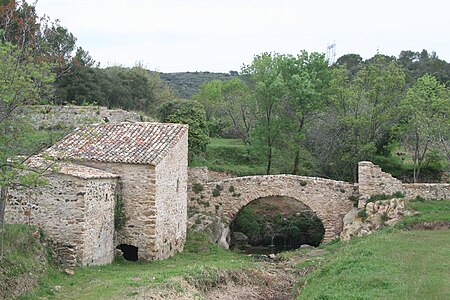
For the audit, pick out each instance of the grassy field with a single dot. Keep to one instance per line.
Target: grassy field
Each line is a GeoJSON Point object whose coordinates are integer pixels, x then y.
{"type": "Point", "coordinates": [390, 264]}
{"type": "Point", "coordinates": [394, 263]}
{"type": "Point", "coordinates": [397, 265]}
{"type": "Point", "coordinates": [127, 279]}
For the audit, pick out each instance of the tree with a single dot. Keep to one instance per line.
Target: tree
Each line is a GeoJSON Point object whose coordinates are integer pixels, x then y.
{"type": "Point", "coordinates": [268, 88]}
{"type": "Point", "coordinates": [426, 109]}
{"type": "Point", "coordinates": [306, 79]}
{"type": "Point", "coordinates": [22, 81]}
{"type": "Point", "coordinates": [359, 117]}
{"type": "Point", "coordinates": [187, 112]}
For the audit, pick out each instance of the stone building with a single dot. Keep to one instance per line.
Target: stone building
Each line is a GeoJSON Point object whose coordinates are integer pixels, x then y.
{"type": "Point", "coordinates": [149, 163]}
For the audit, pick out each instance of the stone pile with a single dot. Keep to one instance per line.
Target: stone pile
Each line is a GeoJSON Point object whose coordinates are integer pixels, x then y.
{"type": "Point", "coordinates": [372, 217]}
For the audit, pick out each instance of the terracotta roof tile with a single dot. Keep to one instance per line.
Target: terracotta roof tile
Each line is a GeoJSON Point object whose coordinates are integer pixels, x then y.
{"type": "Point", "coordinates": [138, 143]}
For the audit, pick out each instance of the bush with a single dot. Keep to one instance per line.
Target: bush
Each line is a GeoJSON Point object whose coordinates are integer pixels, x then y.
{"type": "Point", "coordinates": [362, 214]}
{"type": "Point", "coordinates": [216, 192]}
{"type": "Point", "coordinates": [197, 188]}
{"type": "Point", "coordinates": [303, 183]}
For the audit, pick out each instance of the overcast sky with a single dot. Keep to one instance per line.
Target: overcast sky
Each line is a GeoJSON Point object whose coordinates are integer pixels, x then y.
{"type": "Point", "coordinates": [222, 35]}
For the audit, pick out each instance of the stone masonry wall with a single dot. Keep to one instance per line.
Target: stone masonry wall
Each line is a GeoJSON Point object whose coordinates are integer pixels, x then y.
{"type": "Point", "coordinates": [63, 208]}
{"type": "Point", "coordinates": [171, 200]}
{"type": "Point", "coordinates": [138, 196]}
{"type": "Point", "coordinates": [436, 191]}
{"type": "Point", "coordinates": [329, 199]}
{"type": "Point", "coordinates": [373, 181]}
{"type": "Point", "coordinates": [53, 116]}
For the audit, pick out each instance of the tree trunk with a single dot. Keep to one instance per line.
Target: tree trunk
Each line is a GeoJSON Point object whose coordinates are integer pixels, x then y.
{"type": "Point", "coordinates": [3, 200]}
{"type": "Point", "coordinates": [296, 162]}
{"type": "Point", "coordinates": [269, 160]}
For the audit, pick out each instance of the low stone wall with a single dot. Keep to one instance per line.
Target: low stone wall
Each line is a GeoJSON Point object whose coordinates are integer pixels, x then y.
{"type": "Point", "coordinates": [373, 181]}
{"type": "Point", "coordinates": [53, 116]}
{"type": "Point", "coordinates": [429, 191]}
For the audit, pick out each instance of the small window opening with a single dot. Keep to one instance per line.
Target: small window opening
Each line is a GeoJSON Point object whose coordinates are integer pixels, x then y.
{"type": "Point", "coordinates": [130, 252]}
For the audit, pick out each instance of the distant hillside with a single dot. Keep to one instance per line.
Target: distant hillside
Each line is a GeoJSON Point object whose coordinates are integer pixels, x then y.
{"type": "Point", "coordinates": [185, 84]}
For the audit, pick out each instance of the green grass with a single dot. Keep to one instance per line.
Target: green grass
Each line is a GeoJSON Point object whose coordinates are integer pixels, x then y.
{"type": "Point", "coordinates": [397, 265]}
{"type": "Point", "coordinates": [231, 156]}
{"type": "Point", "coordinates": [21, 252]}
{"type": "Point", "coordinates": [390, 264]}
{"type": "Point", "coordinates": [198, 260]}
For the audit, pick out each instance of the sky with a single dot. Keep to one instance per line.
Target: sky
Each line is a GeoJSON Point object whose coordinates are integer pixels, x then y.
{"type": "Point", "coordinates": [223, 35]}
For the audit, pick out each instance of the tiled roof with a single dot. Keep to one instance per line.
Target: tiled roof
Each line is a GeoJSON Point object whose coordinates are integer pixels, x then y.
{"type": "Point", "coordinates": [80, 171]}
{"type": "Point", "coordinates": [137, 143]}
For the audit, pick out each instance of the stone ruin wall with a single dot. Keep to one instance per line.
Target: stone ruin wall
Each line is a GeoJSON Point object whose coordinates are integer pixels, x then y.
{"type": "Point", "coordinates": [329, 199]}
{"type": "Point", "coordinates": [137, 185]}
{"type": "Point", "coordinates": [373, 181]}
{"type": "Point", "coordinates": [171, 200]}
{"type": "Point", "coordinates": [70, 210]}
{"type": "Point", "coordinates": [53, 116]}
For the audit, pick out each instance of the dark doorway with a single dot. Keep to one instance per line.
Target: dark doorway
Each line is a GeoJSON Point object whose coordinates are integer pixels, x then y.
{"type": "Point", "coordinates": [129, 252]}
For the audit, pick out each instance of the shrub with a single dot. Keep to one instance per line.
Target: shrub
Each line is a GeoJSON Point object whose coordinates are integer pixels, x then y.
{"type": "Point", "coordinates": [303, 183]}
{"type": "Point", "coordinates": [354, 199]}
{"type": "Point", "coordinates": [231, 189]}
{"type": "Point", "coordinates": [362, 214]}
{"type": "Point", "coordinates": [398, 194]}
{"type": "Point", "coordinates": [419, 199]}
{"type": "Point", "coordinates": [197, 188]}
{"type": "Point", "coordinates": [216, 192]}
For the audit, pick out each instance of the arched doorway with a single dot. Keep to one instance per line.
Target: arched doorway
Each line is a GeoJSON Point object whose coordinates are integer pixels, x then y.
{"type": "Point", "coordinates": [274, 224]}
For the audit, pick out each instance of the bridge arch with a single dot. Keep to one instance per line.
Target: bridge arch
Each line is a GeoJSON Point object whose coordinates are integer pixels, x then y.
{"type": "Point", "coordinates": [329, 199]}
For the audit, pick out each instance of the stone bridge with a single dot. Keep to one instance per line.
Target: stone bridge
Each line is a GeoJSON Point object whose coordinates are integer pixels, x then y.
{"type": "Point", "coordinates": [329, 199]}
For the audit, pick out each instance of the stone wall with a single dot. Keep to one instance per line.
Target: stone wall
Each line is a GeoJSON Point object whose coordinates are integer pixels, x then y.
{"type": "Point", "coordinates": [77, 215]}
{"type": "Point", "coordinates": [329, 199]}
{"type": "Point", "coordinates": [138, 190]}
{"type": "Point", "coordinates": [373, 181]}
{"type": "Point", "coordinates": [52, 116]}
{"type": "Point", "coordinates": [437, 191]}
{"type": "Point", "coordinates": [171, 200]}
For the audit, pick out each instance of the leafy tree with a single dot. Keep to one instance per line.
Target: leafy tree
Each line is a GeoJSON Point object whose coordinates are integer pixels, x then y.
{"type": "Point", "coordinates": [268, 89]}
{"type": "Point", "coordinates": [426, 109]}
{"type": "Point", "coordinates": [306, 78]}
{"type": "Point", "coordinates": [187, 112]}
{"type": "Point", "coordinates": [22, 81]}
{"type": "Point", "coordinates": [228, 108]}
{"type": "Point", "coordinates": [359, 118]}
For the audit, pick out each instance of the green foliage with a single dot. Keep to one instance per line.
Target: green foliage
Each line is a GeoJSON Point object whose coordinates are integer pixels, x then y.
{"type": "Point", "coordinates": [261, 222]}
{"type": "Point", "coordinates": [303, 183]}
{"type": "Point", "coordinates": [378, 197]}
{"type": "Point", "coordinates": [20, 247]}
{"type": "Point", "coordinates": [186, 84]}
{"type": "Point", "coordinates": [197, 187]}
{"type": "Point", "coordinates": [216, 192]}
{"type": "Point", "coordinates": [120, 218]}
{"type": "Point", "coordinates": [425, 111]}
{"type": "Point", "coordinates": [191, 113]}
{"type": "Point", "coordinates": [362, 214]}
{"type": "Point", "coordinates": [231, 189]}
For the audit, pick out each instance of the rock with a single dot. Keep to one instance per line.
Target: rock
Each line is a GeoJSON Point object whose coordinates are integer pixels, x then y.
{"type": "Point", "coordinates": [57, 288]}
{"type": "Point", "coordinates": [69, 272]}
{"type": "Point", "coordinates": [240, 238]}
